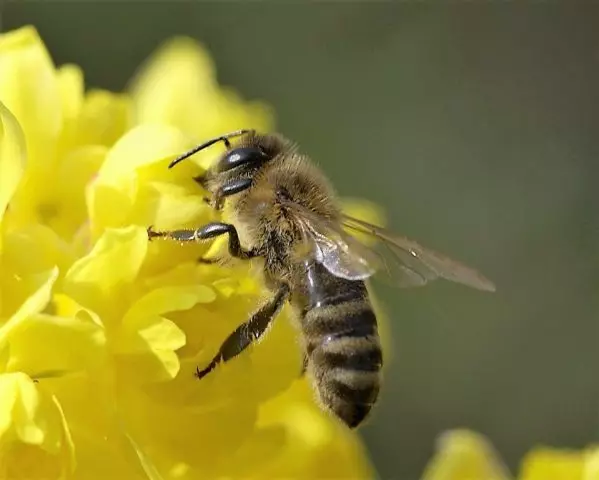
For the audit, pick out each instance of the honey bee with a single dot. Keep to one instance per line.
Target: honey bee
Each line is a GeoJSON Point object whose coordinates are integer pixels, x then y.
{"type": "Point", "coordinates": [281, 209]}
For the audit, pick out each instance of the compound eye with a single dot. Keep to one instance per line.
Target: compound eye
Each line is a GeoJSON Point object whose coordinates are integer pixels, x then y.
{"type": "Point", "coordinates": [241, 156]}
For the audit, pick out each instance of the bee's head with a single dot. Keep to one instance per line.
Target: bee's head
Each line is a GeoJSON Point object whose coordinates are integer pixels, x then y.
{"type": "Point", "coordinates": [242, 156]}
{"type": "Point", "coordinates": [247, 155]}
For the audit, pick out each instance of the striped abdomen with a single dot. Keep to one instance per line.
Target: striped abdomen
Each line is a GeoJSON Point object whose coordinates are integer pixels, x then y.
{"type": "Point", "coordinates": [343, 349]}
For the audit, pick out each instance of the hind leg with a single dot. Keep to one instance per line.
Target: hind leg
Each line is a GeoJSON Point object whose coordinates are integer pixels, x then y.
{"type": "Point", "coordinates": [247, 332]}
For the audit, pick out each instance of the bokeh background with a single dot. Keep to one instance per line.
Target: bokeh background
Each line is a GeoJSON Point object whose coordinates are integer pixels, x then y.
{"type": "Point", "coordinates": [476, 125]}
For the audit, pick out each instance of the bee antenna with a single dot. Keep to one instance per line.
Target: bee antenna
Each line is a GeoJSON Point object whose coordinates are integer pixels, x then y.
{"type": "Point", "coordinates": [223, 138]}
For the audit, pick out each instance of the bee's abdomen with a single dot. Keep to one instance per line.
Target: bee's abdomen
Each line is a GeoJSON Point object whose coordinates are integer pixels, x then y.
{"type": "Point", "coordinates": [344, 353]}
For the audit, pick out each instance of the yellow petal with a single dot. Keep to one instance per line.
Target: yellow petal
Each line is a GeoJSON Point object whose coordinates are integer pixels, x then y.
{"type": "Point", "coordinates": [171, 439]}
{"type": "Point", "coordinates": [178, 82]}
{"type": "Point", "coordinates": [170, 299]}
{"type": "Point", "coordinates": [109, 269]}
{"type": "Point", "coordinates": [112, 195]}
{"type": "Point", "coordinates": [465, 455]}
{"type": "Point", "coordinates": [300, 440]}
{"type": "Point", "coordinates": [104, 117]}
{"type": "Point", "coordinates": [4, 354]}
{"type": "Point", "coordinates": [89, 405]}
{"type": "Point", "coordinates": [142, 146]}
{"type": "Point", "coordinates": [152, 338]}
{"type": "Point", "coordinates": [12, 157]}
{"type": "Point", "coordinates": [68, 444]}
{"type": "Point", "coordinates": [34, 304]}
{"type": "Point", "coordinates": [50, 346]}
{"type": "Point", "coordinates": [174, 207]}
{"type": "Point", "coordinates": [29, 88]}
{"type": "Point", "coordinates": [591, 468]}
{"type": "Point", "coordinates": [553, 464]}
{"type": "Point", "coordinates": [19, 389]}
{"type": "Point", "coordinates": [146, 349]}
{"type": "Point", "coordinates": [33, 433]}
{"type": "Point", "coordinates": [77, 169]}
{"type": "Point", "coordinates": [36, 248]}
{"type": "Point", "coordinates": [172, 83]}
{"type": "Point", "coordinates": [71, 86]}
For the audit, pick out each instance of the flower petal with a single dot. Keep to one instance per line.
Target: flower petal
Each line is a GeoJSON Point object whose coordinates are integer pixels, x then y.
{"type": "Point", "coordinates": [68, 444]}
{"type": "Point", "coordinates": [146, 349]}
{"type": "Point", "coordinates": [170, 299]}
{"type": "Point", "coordinates": [462, 454]}
{"type": "Point", "coordinates": [553, 464]}
{"type": "Point", "coordinates": [144, 331]}
{"type": "Point", "coordinates": [36, 302]}
{"type": "Point", "coordinates": [112, 195]}
{"type": "Point", "coordinates": [303, 441]}
{"type": "Point", "coordinates": [33, 433]}
{"type": "Point", "coordinates": [104, 117]}
{"type": "Point", "coordinates": [46, 345]}
{"type": "Point", "coordinates": [12, 157]}
{"type": "Point", "coordinates": [29, 88]}
{"type": "Point", "coordinates": [71, 86]}
{"type": "Point", "coordinates": [113, 264]}
{"type": "Point", "coordinates": [142, 146]}
{"type": "Point", "coordinates": [178, 82]}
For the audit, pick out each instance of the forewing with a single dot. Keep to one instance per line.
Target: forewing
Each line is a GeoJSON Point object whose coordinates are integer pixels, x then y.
{"type": "Point", "coordinates": [412, 264]}
{"type": "Point", "coordinates": [338, 251]}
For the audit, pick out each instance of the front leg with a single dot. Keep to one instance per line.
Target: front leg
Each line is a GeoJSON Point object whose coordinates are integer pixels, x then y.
{"type": "Point", "coordinates": [231, 188]}
{"type": "Point", "coordinates": [207, 232]}
{"type": "Point", "coordinates": [247, 332]}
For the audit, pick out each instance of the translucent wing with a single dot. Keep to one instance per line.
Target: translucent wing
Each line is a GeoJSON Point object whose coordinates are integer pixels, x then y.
{"type": "Point", "coordinates": [404, 261]}
{"type": "Point", "coordinates": [330, 245]}
{"type": "Point", "coordinates": [412, 264]}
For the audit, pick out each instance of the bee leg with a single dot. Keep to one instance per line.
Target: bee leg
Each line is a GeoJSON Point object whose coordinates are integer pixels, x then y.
{"type": "Point", "coordinates": [201, 179]}
{"type": "Point", "coordinates": [304, 366]}
{"type": "Point", "coordinates": [230, 188]}
{"type": "Point", "coordinates": [247, 332]}
{"type": "Point", "coordinates": [208, 231]}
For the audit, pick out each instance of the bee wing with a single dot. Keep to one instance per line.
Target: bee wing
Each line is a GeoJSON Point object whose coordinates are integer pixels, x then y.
{"type": "Point", "coordinates": [412, 264]}
{"type": "Point", "coordinates": [330, 245]}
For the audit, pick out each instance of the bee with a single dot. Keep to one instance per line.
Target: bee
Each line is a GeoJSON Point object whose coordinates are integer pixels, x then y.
{"type": "Point", "coordinates": [280, 208]}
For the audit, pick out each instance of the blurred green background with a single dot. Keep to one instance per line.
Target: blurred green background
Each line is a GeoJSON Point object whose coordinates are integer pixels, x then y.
{"type": "Point", "coordinates": [476, 125]}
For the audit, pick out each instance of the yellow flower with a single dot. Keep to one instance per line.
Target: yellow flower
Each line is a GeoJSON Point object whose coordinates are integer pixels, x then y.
{"type": "Point", "coordinates": [465, 455]}
{"type": "Point", "coordinates": [100, 330]}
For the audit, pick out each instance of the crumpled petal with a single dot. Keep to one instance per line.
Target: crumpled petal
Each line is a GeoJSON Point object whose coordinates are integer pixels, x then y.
{"type": "Point", "coordinates": [299, 441]}
{"type": "Point", "coordinates": [112, 196]}
{"type": "Point", "coordinates": [461, 455]}
{"type": "Point", "coordinates": [30, 90]}
{"type": "Point", "coordinates": [147, 347]}
{"type": "Point", "coordinates": [145, 331]}
{"type": "Point", "coordinates": [33, 431]}
{"type": "Point", "coordinates": [36, 302]}
{"type": "Point", "coordinates": [77, 344]}
{"type": "Point", "coordinates": [27, 416]}
{"type": "Point", "coordinates": [12, 158]}
{"type": "Point", "coordinates": [111, 266]}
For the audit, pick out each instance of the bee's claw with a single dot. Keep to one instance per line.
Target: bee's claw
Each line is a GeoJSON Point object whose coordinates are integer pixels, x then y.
{"type": "Point", "coordinates": [206, 261]}
{"type": "Point", "coordinates": [151, 233]}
